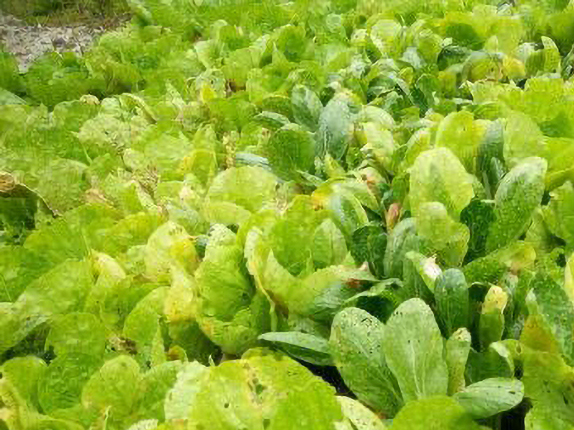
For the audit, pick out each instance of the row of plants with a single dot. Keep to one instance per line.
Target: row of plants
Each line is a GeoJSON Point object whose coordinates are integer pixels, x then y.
{"type": "Point", "coordinates": [337, 214]}
{"type": "Point", "coordinates": [63, 11]}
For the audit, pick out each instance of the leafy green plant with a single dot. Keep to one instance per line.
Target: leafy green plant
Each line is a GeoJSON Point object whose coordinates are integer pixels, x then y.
{"type": "Point", "coordinates": [339, 215]}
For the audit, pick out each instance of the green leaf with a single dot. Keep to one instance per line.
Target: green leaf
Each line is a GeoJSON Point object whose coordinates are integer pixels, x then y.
{"type": "Point", "coordinates": [442, 235]}
{"type": "Point", "coordinates": [335, 127]}
{"type": "Point", "coordinates": [553, 305]}
{"type": "Point", "coordinates": [559, 215]}
{"type": "Point", "coordinates": [10, 80]}
{"type": "Point", "coordinates": [518, 195]}
{"type": "Point", "coordinates": [359, 416]}
{"type": "Point", "coordinates": [559, 152]}
{"type": "Point", "coordinates": [77, 333]}
{"type": "Point", "coordinates": [107, 297]}
{"type": "Point", "coordinates": [155, 385]}
{"type": "Point", "coordinates": [323, 293]}
{"type": "Point", "coordinates": [402, 240]}
{"type": "Point", "coordinates": [522, 139]}
{"type": "Point", "coordinates": [291, 149]}
{"type": "Point", "coordinates": [54, 78]}
{"type": "Point", "coordinates": [112, 388]}
{"type": "Point", "coordinates": [24, 373]}
{"type": "Point", "coordinates": [364, 189]}
{"type": "Point", "coordinates": [569, 279]}
{"type": "Point", "coordinates": [268, 273]}
{"type": "Point", "coordinates": [133, 230]}
{"type": "Point", "coordinates": [229, 309]}
{"type": "Point", "coordinates": [368, 244]}
{"type": "Point", "coordinates": [179, 399]}
{"type": "Point", "coordinates": [438, 176]}
{"type": "Point", "coordinates": [9, 98]}
{"type": "Point", "coordinates": [329, 247]}
{"type": "Point", "coordinates": [226, 213]}
{"type": "Point", "coordinates": [515, 256]}
{"type": "Point", "coordinates": [247, 188]}
{"type": "Point", "coordinates": [232, 113]}
{"type": "Point", "coordinates": [419, 142]}
{"type": "Point", "coordinates": [419, 276]}
{"type": "Point", "coordinates": [546, 60]}
{"type": "Point", "coordinates": [434, 413]}
{"type": "Point", "coordinates": [413, 349]}
{"type": "Point", "coordinates": [451, 295]}
{"type": "Point", "coordinates": [11, 330]}
{"type": "Point", "coordinates": [239, 63]}
{"type": "Point", "coordinates": [460, 133]}
{"type": "Point", "coordinates": [489, 167]}
{"type": "Point", "coordinates": [278, 103]}
{"type": "Point", "coordinates": [548, 384]}
{"type": "Point", "coordinates": [306, 347]}
{"type": "Point", "coordinates": [188, 335]}
{"type": "Point", "coordinates": [371, 113]}
{"type": "Point", "coordinates": [143, 326]}
{"type": "Point", "coordinates": [537, 419]}
{"type": "Point", "coordinates": [380, 300]}
{"type": "Point", "coordinates": [496, 362]}
{"type": "Point", "coordinates": [164, 147]}
{"type": "Point", "coordinates": [178, 304]}
{"type": "Point", "coordinates": [202, 163]}
{"type": "Point", "coordinates": [491, 324]}
{"type": "Point", "coordinates": [299, 220]}
{"type": "Point", "coordinates": [307, 107]}
{"type": "Point", "coordinates": [271, 120]}
{"type": "Point", "coordinates": [456, 355]}
{"type": "Point", "coordinates": [57, 242]}
{"type": "Point", "coordinates": [18, 267]}
{"type": "Point", "coordinates": [478, 216]}
{"type": "Point", "coordinates": [357, 342]}
{"type": "Point", "coordinates": [168, 246]}
{"type": "Point", "coordinates": [344, 208]}
{"type": "Point", "coordinates": [264, 388]}
{"type": "Point", "coordinates": [62, 383]}
{"type": "Point", "coordinates": [490, 397]}
{"type": "Point", "coordinates": [105, 133]}
{"type": "Point", "coordinates": [377, 142]}
{"type": "Point", "coordinates": [63, 289]}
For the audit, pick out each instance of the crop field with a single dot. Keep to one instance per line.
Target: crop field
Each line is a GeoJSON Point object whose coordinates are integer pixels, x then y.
{"type": "Point", "coordinates": [291, 215]}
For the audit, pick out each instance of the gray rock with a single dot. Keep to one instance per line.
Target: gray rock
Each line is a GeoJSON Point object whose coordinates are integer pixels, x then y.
{"type": "Point", "coordinates": [59, 42]}
{"type": "Point", "coordinates": [28, 42]}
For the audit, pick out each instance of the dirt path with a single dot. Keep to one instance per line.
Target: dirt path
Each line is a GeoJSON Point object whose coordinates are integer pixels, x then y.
{"type": "Point", "coordinates": [28, 42]}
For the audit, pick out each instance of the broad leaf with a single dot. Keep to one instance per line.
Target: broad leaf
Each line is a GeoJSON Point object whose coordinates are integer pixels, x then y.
{"type": "Point", "coordinates": [413, 349]}
{"type": "Point", "coordinates": [490, 397]}
{"type": "Point", "coordinates": [291, 149]}
{"type": "Point", "coordinates": [357, 342]}
{"type": "Point", "coordinates": [438, 176]}
{"type": "Point", "coordinates": [434, 413]}
{"type": "Point", "coordinates": [518, 195]}
{"type": "Point", "coordinates": [306, 347]}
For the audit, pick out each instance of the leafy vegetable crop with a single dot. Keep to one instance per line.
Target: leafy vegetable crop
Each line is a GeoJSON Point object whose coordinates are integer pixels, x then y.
{"type": "Point", "coordinates": [327, 214]}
